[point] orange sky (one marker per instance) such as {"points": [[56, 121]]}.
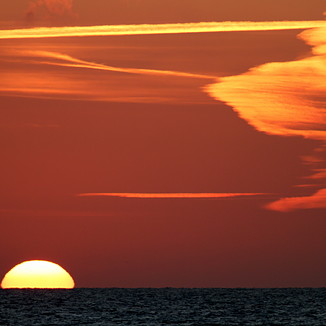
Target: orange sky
{"points": [[185, 159]]}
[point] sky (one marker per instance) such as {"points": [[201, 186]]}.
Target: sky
{"points": [[165, 143]]}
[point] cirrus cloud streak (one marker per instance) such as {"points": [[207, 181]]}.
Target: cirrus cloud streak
{"points": [[169, 195], [69, 61], [148, 29]]}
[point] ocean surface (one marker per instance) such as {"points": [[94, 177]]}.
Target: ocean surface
{"points": [[167, 306]]}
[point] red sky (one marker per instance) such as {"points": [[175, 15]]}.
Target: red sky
{"points": [[124, 157]]}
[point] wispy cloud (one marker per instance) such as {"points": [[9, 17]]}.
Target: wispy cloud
{"points": [[169, 195], [69, 61], [318, 174], [147, 29], [287, 99], [317, 200], [281, 98], [49, 10], [278, 98], [65, 83]]}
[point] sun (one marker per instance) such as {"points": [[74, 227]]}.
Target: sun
{"points": [[37, 274]]}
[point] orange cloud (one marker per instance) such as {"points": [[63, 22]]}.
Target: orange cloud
{"points": [[319, 174], [58, 7], [146, 29], [169, 195], [69, 61], [36, 85], [317, 200], [64, 83], [37, 82], [49, 9], [281, 98], [287, 99]]}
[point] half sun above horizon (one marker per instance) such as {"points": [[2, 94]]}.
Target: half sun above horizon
{"points": [[37, 274]]}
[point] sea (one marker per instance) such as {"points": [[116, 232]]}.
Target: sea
{"points": [[164, 306]]}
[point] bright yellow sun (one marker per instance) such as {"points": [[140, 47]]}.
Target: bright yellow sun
{"points": [[39, 274]]}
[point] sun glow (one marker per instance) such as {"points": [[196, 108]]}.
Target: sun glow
{"points": [[38, 274]]}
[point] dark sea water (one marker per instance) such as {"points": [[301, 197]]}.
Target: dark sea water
{"points": [[168, 306]]}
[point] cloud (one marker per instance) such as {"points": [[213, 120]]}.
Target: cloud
{"points": [[49, 10], [65, 83], [286, 99], [169, 195], [278, 98], [281, 98], [69, 61], [317, 200], [319, 174], [147, 29]]}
